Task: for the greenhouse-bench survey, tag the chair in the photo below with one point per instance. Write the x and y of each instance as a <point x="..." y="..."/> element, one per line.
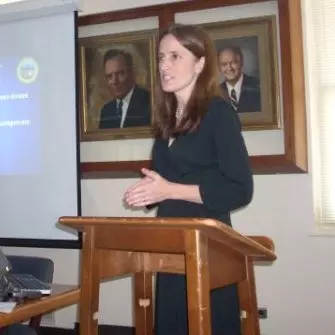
<point x="40" y="267"/>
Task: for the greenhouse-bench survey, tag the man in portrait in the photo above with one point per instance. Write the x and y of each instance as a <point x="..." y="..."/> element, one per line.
<point x="130" y="106"/>
<point x="243" y="90"/>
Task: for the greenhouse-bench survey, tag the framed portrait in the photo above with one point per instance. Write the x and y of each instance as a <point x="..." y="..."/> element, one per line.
<point x="117" y="76"/>
<point x="248" y="69"/>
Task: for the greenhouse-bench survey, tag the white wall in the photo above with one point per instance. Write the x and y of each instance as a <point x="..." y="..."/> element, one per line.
<point x="298" y="289"/>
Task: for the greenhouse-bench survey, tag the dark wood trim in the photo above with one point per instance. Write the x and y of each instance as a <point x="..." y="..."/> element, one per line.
<point x="286" y="65"/>
<point x="165" y="17"/>
<point x="100" y="170"/>
<point x="295" y="99"/>
<point x="294" y="160"/>
<point x="271" y="164"/>
<point x="157" y="10"/>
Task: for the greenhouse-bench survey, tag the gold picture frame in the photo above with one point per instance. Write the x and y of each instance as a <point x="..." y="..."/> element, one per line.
<point x="255" y="38"/>
<point x="96" y="93"/>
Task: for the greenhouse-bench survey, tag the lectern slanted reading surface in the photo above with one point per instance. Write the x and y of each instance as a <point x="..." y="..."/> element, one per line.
<point x="210" y="253"/>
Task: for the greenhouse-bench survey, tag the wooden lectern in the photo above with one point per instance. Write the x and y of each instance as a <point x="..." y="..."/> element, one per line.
<point x="210" y="253"/>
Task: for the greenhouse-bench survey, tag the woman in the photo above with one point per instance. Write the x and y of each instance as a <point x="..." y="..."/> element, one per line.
<point x="200" y="165"/>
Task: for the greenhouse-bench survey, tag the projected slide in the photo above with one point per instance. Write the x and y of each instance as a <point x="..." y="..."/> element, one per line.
<point x="20" y="147"/>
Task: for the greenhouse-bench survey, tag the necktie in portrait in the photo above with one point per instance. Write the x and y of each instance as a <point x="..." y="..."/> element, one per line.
<point x="119" y="111"/>
<point x="233" y="99"/>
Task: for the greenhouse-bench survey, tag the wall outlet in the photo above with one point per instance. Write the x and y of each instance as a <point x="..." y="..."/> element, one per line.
<point x="262" y="313"/>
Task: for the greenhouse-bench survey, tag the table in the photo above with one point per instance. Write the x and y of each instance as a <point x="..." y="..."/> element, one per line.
<point x="61" y="296"/>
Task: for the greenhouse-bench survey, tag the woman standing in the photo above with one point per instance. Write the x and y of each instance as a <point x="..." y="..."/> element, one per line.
<point x="200" y="165"/>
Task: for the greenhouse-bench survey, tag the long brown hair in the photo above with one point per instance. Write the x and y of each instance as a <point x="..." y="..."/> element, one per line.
<point x="198" y="42"/>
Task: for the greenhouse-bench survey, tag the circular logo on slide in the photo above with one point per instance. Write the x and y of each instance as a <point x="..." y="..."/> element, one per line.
<point x="27" y="70"/>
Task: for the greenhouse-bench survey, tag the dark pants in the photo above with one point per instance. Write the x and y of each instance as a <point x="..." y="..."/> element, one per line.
<point x="171" y="307"/>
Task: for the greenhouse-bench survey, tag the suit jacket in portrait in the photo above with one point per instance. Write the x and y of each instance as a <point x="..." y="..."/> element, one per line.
<point x="138" y="112"/>
<point x="250" y="98"/>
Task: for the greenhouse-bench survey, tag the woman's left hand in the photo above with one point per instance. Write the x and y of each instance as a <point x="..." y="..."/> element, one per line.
<point x="152" y="188"/>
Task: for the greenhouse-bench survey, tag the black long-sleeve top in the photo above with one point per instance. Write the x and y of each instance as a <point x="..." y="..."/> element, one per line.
<point x="215" y="158"/>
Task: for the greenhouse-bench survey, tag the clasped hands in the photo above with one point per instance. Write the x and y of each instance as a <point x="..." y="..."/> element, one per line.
<point x="151" y="189"/>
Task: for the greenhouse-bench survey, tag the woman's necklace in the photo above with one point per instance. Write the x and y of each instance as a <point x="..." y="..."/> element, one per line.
<point x="178" y="114"/>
